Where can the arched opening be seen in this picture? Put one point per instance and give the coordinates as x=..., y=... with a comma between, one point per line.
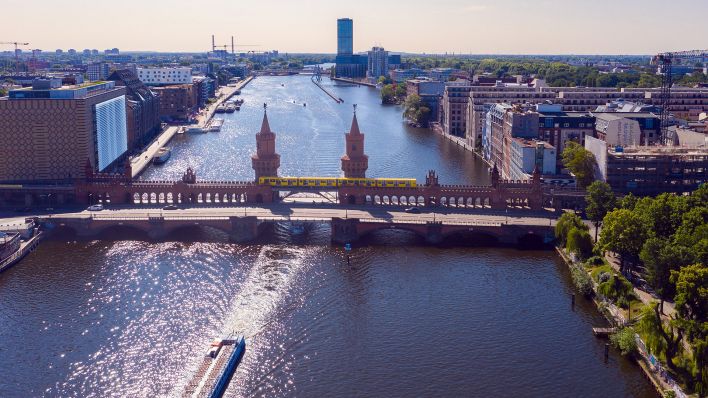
x=394, y=200
x=368, y=200
x=377, y=200
x=403, y=201
x=443, y=201
x=386, y=200
x=530, y=241
x=470, y=238
x=145, y=199
x=421, y=201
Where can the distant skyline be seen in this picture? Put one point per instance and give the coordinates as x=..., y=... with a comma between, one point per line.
x=414, y=26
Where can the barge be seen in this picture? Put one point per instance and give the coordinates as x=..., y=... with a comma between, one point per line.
x=215, y=125
x=218, y=366
x=162, y=155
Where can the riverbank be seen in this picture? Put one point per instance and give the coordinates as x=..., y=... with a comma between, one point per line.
x=25, y=248
x=659, y=380
x=225, y=93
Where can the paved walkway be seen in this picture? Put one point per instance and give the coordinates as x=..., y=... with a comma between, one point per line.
x=140, y=162
x=225, y=93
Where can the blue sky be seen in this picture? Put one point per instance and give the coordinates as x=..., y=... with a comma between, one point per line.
x=432, y=26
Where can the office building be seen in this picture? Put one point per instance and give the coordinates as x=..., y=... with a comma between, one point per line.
x=143, y=108
x=49, y=134
x=97, y=71
x=345, y=36
x=165, y=76
x=528, y=155
x=177, y=102
x=378, y=63
x=429, y=91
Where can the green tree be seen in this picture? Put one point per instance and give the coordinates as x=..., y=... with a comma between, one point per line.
x=692, y=298
x=580, y=162
x=660, y=337
x=415, y=110
x=623, y=233
x=388, y=94
x=660, y=258
x=624, y=340
x=600, y=200
x=579, y=242
x=628, y=201
x=566, y=222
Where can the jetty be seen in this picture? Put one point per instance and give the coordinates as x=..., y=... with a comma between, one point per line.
x=352, y=81
x=336, y=99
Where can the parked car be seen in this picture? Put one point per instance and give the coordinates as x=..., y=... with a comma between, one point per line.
x=170, y=207
x=412, y=210
x=95, y=208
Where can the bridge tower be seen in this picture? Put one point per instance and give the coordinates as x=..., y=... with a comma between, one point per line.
x=355, y=161
x=266, y=161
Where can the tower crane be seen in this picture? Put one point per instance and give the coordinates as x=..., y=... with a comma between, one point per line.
x=17, y=58
x=665, y=62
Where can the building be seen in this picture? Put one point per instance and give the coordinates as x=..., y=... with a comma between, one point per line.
x=558, y=127
x=348, y=64
x=401, y=75
x=165, y=76
x=177, y=102
x=453, y=109
x=440, y=74
x=206, y=88
x=97, y=71
x=528, y=155
x=345, y=36
x=616, y=130
x=56, y=134
x=504, y=122
x=377, y=63
x=649, y=171
x=429, y=91
x=355, y=162
x=266, y=160
x=143, y=108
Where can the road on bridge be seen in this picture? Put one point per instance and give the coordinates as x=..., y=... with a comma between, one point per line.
x=299, y=212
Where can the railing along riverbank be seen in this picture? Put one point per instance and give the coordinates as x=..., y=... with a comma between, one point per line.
x=25, y=248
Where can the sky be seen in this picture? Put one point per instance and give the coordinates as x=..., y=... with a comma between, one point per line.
x=309, y=26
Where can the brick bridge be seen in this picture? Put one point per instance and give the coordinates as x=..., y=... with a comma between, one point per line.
x=121, y=189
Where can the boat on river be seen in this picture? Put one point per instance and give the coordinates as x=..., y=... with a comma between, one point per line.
x=231, y=107
x=220, y=109
x=161, y=156
x=215, y=125
x=217, y=368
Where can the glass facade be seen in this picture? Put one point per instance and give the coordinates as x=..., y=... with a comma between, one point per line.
x=111, y=131
x=345, y=36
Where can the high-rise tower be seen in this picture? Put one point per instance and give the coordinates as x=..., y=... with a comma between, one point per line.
x=354, y=161
x=266, y=161
x=345, y=36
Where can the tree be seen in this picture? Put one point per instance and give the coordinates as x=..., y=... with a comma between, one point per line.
x=600, y=200
x=661, y=338
x=415, y=110
x=580, y=162
x=660, y=258
x=579, y=242
x=692, y=297
x=566, y=222
x=388, y=95
x=623, y=233
x=624, y=340
x=628, y=201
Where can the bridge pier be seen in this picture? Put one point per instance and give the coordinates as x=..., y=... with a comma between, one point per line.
x=156, y=229
x=344, y=230
x=243, y=229
x=433, y=232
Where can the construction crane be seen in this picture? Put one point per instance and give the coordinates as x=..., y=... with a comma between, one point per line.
x=214, y=46
x=665, y=61
x=17, y=57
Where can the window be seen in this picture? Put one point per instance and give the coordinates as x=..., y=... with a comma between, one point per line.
x=566, y=124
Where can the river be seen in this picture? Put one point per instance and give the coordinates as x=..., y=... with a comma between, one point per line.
x=123, y=317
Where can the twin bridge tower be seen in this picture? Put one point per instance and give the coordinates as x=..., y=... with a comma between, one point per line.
x=266, y=160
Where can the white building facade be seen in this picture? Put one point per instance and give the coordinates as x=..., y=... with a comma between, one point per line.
x=165, y=76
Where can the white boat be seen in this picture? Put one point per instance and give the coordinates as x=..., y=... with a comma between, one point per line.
x=161, y=156
x=221, y=108
x=230, y=108
x=215, y=125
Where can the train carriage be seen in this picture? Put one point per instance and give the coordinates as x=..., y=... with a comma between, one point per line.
x=334, y=182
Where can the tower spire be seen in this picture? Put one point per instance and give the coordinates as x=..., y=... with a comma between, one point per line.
x=354, y=162
x=266, y=161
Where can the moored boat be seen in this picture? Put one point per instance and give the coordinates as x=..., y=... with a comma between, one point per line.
x=217, y=368
x=230, y=108
x=221, y=108
x=215, y=125
x=161, y=156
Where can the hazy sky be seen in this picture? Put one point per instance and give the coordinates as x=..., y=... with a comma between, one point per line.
x=432, y=26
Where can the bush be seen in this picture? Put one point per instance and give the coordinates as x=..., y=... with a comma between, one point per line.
x=624, y=341
x=582, y=281
x=669, y=394
x=617, y=289
x=594, y=261
x=579, y=242
x=603, y=277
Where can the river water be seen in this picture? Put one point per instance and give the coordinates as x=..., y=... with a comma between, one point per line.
x=125, y=317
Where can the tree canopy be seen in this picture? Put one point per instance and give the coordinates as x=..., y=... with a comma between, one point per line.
x=580, y=162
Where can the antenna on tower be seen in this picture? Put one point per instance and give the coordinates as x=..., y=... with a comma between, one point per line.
x=265, y=107
x=213, y=44
x=355, y=109
x=232, y=45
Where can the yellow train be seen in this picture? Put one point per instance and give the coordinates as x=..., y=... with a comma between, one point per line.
x=334, y=182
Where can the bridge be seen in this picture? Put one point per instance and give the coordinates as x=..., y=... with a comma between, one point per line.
x=121, y=190
x=348, y=224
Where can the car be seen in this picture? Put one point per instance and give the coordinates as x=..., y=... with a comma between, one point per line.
x=412, y=210
x=170, y=207
x=95, y=208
